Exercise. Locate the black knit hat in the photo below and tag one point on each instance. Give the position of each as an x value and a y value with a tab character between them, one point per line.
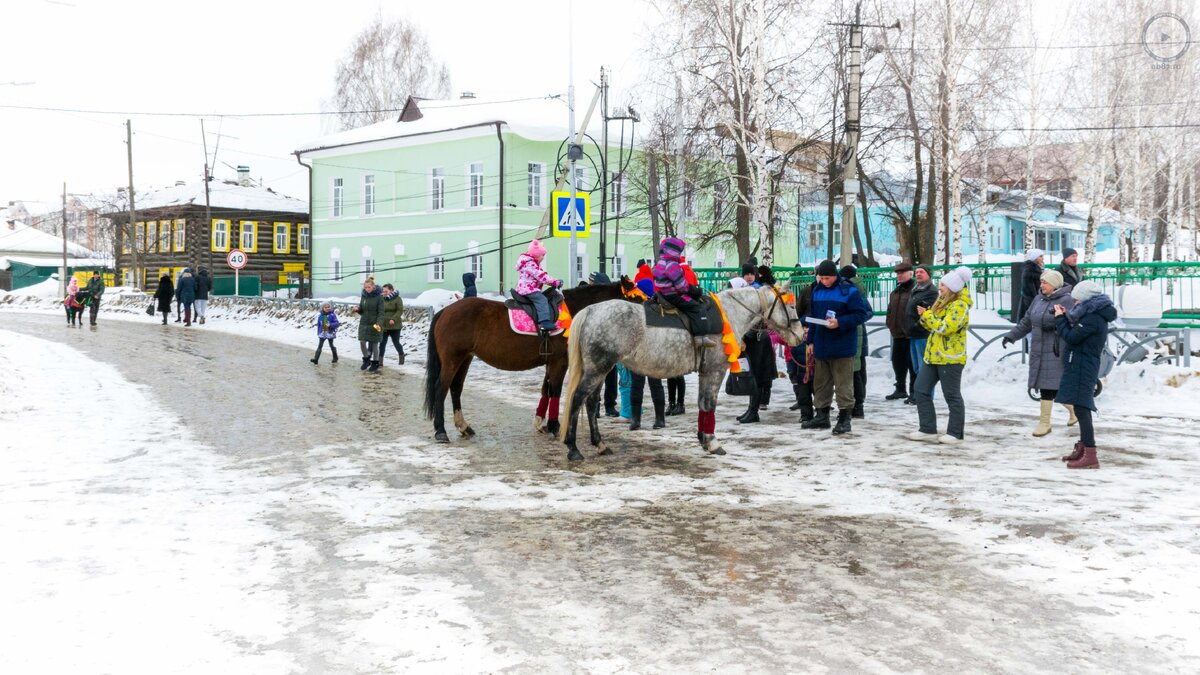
827	268
848	272
765	276
748	268
640	262
923	266
1068	252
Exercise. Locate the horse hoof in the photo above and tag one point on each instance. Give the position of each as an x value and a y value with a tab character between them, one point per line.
552	428
604	449
468	433
717	451
537	425
574	456
441	437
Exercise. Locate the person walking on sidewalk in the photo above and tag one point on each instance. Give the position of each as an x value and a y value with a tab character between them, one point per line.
902	365
924	294
391	320
95	289
164	294
1045	345
1084	330
945	358
185	293
203	288
370	331
327	325
840	309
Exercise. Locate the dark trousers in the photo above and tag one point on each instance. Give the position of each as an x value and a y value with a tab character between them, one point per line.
696	316
675	389
610	389
637	392
394	336
1049	394
950	375
860	387
93	310
902	364
795	371
332	347
1087	432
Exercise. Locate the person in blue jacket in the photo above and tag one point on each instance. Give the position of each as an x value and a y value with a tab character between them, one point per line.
835	345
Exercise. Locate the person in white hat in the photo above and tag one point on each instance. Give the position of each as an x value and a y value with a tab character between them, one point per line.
1031	280
945	358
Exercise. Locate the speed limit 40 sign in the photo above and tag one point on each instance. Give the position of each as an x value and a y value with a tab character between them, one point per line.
237	259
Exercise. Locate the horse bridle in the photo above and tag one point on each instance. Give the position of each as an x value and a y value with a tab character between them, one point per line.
771	309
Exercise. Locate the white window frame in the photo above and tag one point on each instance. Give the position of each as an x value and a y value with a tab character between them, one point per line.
581	261
475	185
151	238
719	258
253	247
581	176
474	260
180	242
437	188
221	230
336	197
337	272
369	194
303	238
165	236
435	271
619	262
618	193
537	184
287	237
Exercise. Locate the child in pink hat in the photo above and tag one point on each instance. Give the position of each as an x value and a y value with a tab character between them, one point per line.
530	279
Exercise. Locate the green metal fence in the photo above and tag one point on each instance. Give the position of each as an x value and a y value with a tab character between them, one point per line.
1177	283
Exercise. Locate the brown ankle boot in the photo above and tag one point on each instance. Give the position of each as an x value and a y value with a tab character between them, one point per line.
1088	461
1075	454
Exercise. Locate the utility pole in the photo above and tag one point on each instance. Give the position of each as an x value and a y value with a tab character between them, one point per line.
850	186
604	172
208	206
137	258
575	151
62	278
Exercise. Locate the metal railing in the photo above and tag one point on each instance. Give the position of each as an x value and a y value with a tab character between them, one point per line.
1177	283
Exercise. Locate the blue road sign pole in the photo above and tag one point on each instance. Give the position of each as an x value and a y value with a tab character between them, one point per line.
573	281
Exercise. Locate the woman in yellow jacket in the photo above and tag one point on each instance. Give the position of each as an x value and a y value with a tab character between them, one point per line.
945	358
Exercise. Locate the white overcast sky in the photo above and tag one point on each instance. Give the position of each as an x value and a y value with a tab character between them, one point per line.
222	57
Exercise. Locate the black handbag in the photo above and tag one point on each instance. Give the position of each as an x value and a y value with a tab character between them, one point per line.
740	384
150	308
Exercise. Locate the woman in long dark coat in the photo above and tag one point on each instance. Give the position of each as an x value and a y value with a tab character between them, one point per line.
370	330
164	294
1045	345
1084	330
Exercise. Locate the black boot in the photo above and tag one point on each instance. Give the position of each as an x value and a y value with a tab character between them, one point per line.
659	420
896	395
819	421
373	367
806	413
635	420
843	422
797	405
366	363
334	350
316	357
401	357
751	414
611	411
857	412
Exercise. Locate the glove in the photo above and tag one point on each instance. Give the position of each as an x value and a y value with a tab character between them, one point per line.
696	292
558	283
1005	343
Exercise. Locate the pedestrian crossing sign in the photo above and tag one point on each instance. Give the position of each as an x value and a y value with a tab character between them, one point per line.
562	215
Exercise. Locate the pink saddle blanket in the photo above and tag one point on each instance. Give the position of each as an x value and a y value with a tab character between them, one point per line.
520	321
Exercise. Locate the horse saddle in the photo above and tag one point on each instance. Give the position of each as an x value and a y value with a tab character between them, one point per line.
522	316
662	314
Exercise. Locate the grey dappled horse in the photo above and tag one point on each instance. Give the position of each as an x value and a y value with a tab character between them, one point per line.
610	332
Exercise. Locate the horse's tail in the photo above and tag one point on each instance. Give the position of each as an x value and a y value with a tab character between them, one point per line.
433	367
574	368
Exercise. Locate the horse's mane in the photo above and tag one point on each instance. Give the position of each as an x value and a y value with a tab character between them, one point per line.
595	292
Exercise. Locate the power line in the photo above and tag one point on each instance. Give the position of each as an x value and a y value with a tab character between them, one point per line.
148	113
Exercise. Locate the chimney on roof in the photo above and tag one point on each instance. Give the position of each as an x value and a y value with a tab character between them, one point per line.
466	94
243	175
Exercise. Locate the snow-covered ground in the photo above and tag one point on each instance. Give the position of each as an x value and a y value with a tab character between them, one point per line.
131	547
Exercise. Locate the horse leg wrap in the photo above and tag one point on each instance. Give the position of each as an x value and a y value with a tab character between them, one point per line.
541	409
706	421
552	410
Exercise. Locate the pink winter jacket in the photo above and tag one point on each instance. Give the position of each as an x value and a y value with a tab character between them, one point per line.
531	276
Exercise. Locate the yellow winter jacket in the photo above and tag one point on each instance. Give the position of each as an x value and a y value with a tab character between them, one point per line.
947	328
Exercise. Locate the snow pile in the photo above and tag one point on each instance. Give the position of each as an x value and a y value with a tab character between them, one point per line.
435	298
47	288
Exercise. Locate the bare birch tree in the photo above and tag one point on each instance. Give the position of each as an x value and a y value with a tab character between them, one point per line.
387	62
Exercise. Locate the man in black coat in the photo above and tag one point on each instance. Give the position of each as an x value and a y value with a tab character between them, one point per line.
1069	268
924	294
204	284
901	353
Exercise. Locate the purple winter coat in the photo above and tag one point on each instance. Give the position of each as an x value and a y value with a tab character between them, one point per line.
327	325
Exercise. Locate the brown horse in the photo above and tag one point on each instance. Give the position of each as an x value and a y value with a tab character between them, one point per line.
477	327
